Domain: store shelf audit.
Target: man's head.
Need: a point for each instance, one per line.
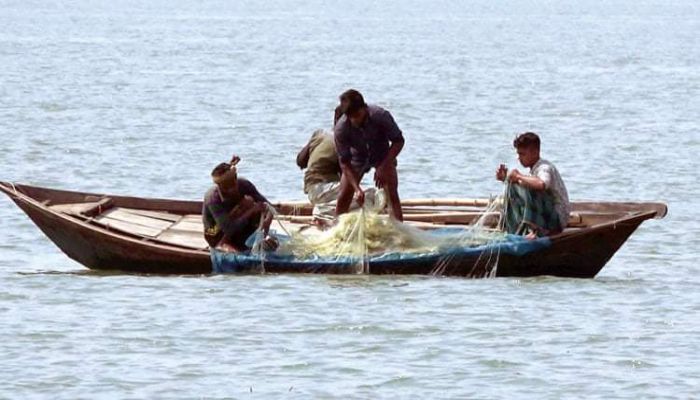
(528, 147)
(337, 114)
(354, 107)
(225, 177)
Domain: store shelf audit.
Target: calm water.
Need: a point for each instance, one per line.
(144, 99)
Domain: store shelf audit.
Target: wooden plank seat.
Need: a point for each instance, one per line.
(86, 209)
(189, 239)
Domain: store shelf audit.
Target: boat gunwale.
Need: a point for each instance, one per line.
(15, 193)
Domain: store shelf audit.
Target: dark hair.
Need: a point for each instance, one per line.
(351, 101)
(221, 169)
(338, 113)
(527, 139)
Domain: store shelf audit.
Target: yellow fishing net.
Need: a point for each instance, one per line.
(367, 232)
(360, 233)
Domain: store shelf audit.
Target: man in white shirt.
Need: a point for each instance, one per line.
(536, 204)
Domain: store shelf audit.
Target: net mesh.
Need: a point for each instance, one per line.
(365, 232)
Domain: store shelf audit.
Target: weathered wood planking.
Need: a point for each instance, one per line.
(134, 224)
(74, 208)
(194, 240)
(127, 227)
(426, 210)
(459, 202)
(153, 214)
(125, 216)
(84, 209)
(188, 226)
(190, 223)
(619, 208)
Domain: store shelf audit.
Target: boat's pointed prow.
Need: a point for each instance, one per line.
(661, 210)
(5, 186)
(9, 189)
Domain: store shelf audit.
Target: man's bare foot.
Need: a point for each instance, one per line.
(322, 224)
(225, 247)
(270, 243)
(531, 236)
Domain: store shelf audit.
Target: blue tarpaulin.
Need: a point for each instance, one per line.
(228, 262)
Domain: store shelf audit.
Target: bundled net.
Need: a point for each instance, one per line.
(365, 232)
(359, 233)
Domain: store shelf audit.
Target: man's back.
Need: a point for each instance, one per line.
(368, 144)
(554, 184)
(323, 163)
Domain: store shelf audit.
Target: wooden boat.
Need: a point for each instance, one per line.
(160, 236)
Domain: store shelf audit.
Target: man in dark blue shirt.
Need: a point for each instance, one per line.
(233, 209)
(366, 137)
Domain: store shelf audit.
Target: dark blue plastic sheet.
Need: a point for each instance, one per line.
(225, 262)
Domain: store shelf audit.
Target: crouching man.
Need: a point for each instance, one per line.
(536, 204)
(233, 210)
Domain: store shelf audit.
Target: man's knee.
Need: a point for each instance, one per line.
(391, 179)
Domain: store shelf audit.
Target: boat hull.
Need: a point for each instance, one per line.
(100, 249)
(580, 254)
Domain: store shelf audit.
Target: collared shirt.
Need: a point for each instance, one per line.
(218, 222)
(369, 144)
(554, 185)
(323, 164)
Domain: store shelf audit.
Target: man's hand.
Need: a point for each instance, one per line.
(501, 172)
(514, 176)
(255, 210)
(360, 197)
(270, 243)
(267, 216)
(259, 207)
(381, 175)
(247, 202)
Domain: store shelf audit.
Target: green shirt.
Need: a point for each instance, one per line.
(323, 163)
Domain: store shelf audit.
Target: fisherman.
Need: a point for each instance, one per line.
(536, 204)
(233, 210)
(366, 137)
(322, 175)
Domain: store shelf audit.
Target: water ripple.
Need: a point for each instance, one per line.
(144, 98)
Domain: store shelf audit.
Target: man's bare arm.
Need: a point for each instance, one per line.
(528, 181)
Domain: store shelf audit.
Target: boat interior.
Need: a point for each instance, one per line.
(181, 226)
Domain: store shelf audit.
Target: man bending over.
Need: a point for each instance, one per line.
(322, 175)
(367, 137)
